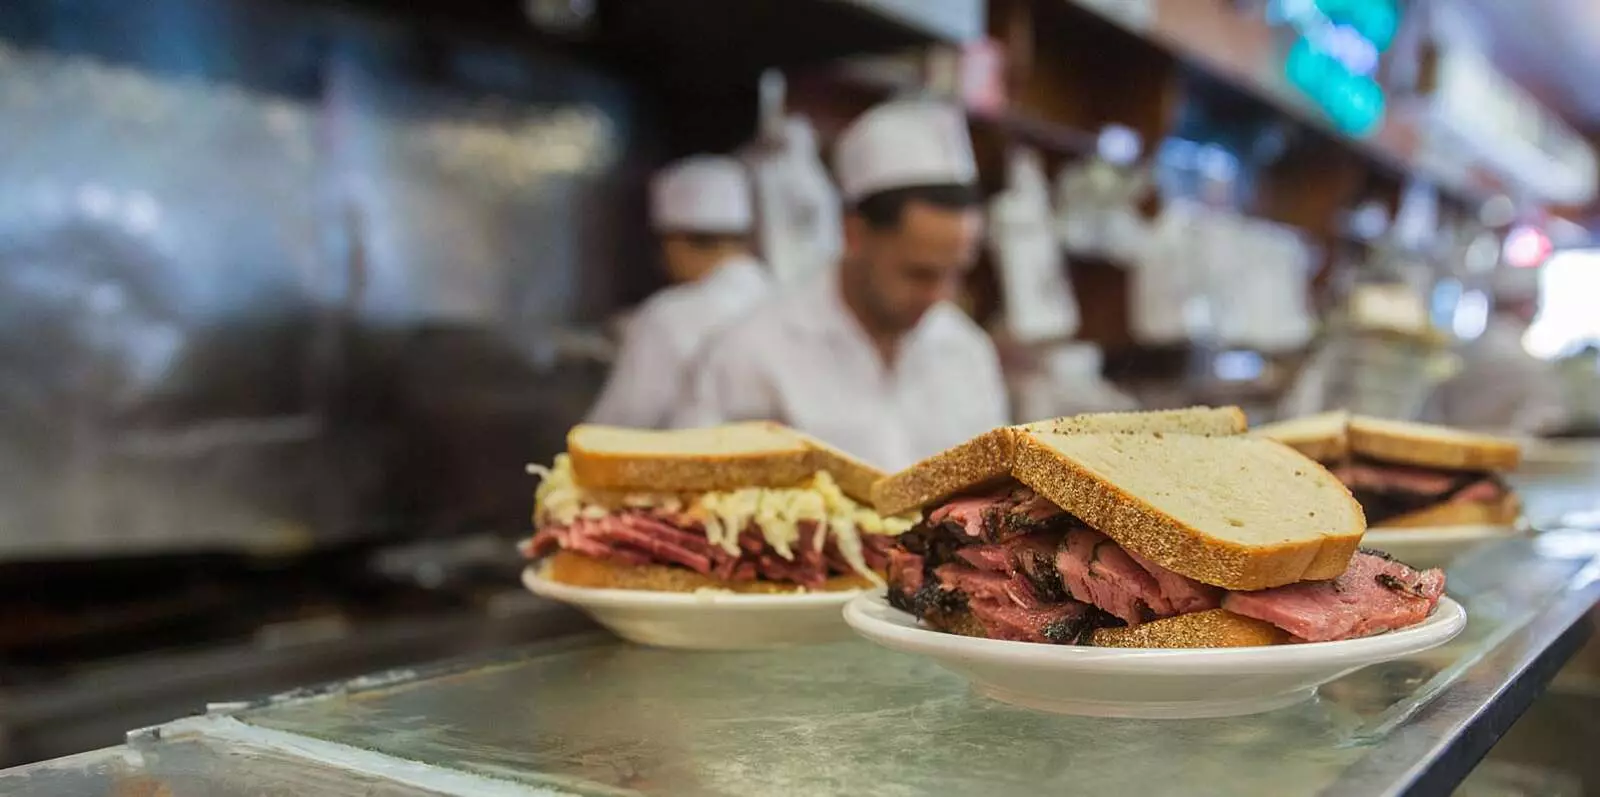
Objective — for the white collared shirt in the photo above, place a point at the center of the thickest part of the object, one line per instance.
(804, 359)
(664, 338)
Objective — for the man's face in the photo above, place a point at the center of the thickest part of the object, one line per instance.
(904, 271)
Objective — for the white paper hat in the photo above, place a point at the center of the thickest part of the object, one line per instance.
(702, 193)
(904, 143)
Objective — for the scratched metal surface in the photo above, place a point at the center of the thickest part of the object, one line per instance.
(194, 768)
(602, 717)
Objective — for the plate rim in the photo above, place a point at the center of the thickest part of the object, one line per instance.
(1464, 532)
(605, 597)
(1444, 624)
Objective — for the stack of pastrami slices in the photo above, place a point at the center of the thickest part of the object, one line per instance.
(1163, 529)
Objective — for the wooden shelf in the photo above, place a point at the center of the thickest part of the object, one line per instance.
(1047, 136)
(1240, 50)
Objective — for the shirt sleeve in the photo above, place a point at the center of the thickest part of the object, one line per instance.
(727, 384)
(643, 383)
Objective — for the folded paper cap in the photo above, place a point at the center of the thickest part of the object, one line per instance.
(703, 193)
(902, 144)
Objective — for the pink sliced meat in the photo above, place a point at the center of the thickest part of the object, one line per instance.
(986, 584)
(1008, 510)
(1395, 477)
(1479, 492)
(1035, 507)
(693, 541)
(648, 537)
(875, 550)
(1374, 595)
(969, 512)
(659, 546)
(905, 571)
(543, 543)
(1185, 594)
(987, 557)
(1096, 570)
(1050, 623)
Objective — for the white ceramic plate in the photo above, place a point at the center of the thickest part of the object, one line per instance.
(1433, 546)
(1151, 684)
(705, 620)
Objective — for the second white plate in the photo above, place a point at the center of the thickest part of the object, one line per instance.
(704, 620)
(1151, 684)
(1436, 546)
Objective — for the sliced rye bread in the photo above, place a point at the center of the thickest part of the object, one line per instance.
(982, 459)
(990, 456)
(1241, 513)
(1324, 437)
(688, 460)
(1502, 511)
(1430, 446)
(728, 457)
(855, 478)
(1205, 421)
(1216, 628)
(960, 621)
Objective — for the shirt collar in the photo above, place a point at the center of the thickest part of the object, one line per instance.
(738, 268)
(833, 318)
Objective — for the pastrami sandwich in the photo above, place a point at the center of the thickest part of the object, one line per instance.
(1410, 474)
(748, 507)
(1169, 529)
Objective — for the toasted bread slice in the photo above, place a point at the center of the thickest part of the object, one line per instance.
(1206, 421)
(1241, 513)
(855, 478)
(586, 571)
(982, 459)
(990, 455)
(957, 622)
(688, 460)
(1500, 512)
(729, 457)
(1430, 446)
(1216, 628)
(1324, 437)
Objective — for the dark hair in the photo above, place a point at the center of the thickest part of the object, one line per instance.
(708, 240)
(885, 209)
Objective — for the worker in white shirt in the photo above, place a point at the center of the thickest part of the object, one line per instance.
(700, 207)
(872, 356)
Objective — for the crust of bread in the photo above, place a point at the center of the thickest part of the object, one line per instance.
(1140, 527)
(1216, 628)
(1430, 446)
(1324, 437)
(1502, 511)
(783, 457)
(981, 459)
(990, 456)
(1209, 629)
(959, 622)
(855, 478)
(586, 571)
(1204, 421)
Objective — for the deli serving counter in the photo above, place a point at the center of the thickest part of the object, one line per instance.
(587, 715)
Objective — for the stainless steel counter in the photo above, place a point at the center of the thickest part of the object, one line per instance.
(590, 716)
